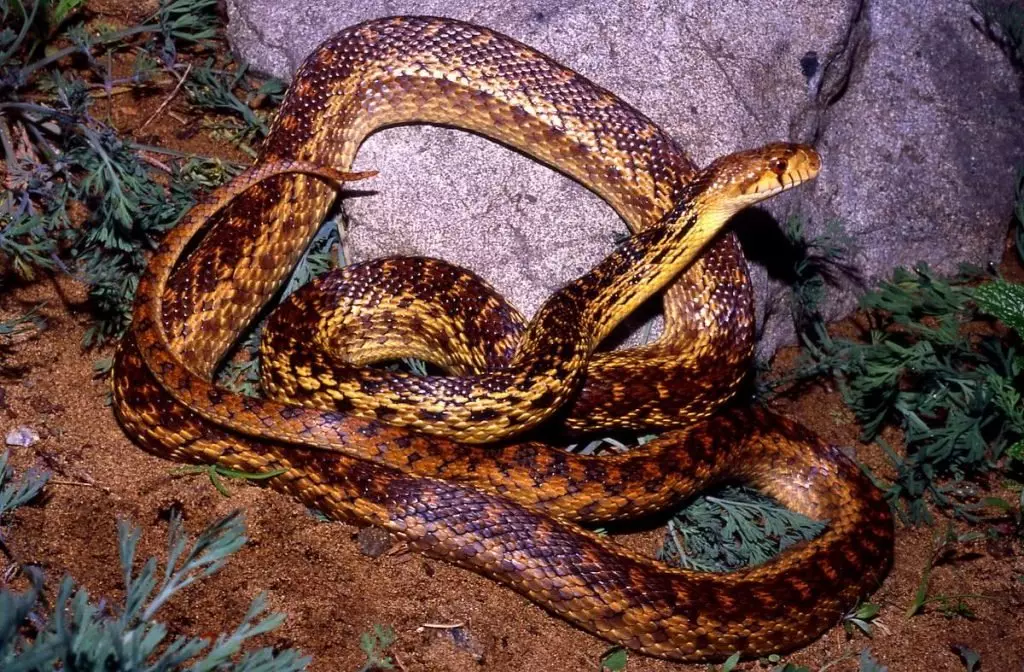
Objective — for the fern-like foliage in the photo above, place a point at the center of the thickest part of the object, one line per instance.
(955, 394)
(374, 644)
(818, 262)
(82, 634)
(78, 197)
(234, 93)
(22, 323)
(735, 528)
(15, 493)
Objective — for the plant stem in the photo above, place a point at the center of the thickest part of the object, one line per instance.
(31, 107)
(5, 139)
(24, 30)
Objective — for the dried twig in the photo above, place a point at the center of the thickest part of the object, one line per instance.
(442, 626)
(168, 99)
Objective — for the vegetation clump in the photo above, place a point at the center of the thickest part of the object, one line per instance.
(79, 197)
(79, 633)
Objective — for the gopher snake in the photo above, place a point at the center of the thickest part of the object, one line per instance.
(506, 511)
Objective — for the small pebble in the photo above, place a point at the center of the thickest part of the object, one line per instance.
(22, 437)
(462, 638)
(373, 541)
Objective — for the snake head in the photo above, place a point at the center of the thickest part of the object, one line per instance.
(739, 180)
(756, 174)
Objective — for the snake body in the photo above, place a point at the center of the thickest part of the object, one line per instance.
(509, 511)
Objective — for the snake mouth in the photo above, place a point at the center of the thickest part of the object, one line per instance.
(781, 167)
(768, 186)
(746, 177)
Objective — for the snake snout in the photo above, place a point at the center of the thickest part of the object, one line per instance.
(773, 169)
(747, 177)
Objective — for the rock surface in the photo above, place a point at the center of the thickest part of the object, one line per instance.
(913, 108)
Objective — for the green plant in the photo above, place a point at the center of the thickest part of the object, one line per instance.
(78, 197)
(614, 659)
(22, 323)
(736, 528)
(83, 635)
(216, 472)
(817, 262)
(1004, 301)
(375, 644)
(810, 266)
(943, 547)
(953, 393)
(220, 90)
(15, 493)
(733, 528)
(728, 666)
(862, 618)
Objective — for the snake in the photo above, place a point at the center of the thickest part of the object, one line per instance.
(469, 482)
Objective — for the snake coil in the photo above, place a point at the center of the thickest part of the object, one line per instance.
(375, 450)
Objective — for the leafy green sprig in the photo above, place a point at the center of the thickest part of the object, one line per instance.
(81, 634)
(734, 528)
(78, 197)
(819, 261)
(954, 393)
(233, 92)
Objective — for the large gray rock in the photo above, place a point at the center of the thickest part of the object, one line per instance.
(923, 143)
(916, 113)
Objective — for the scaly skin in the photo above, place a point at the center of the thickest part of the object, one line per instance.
(507, 511)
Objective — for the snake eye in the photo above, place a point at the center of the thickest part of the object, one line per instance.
(778, 166)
